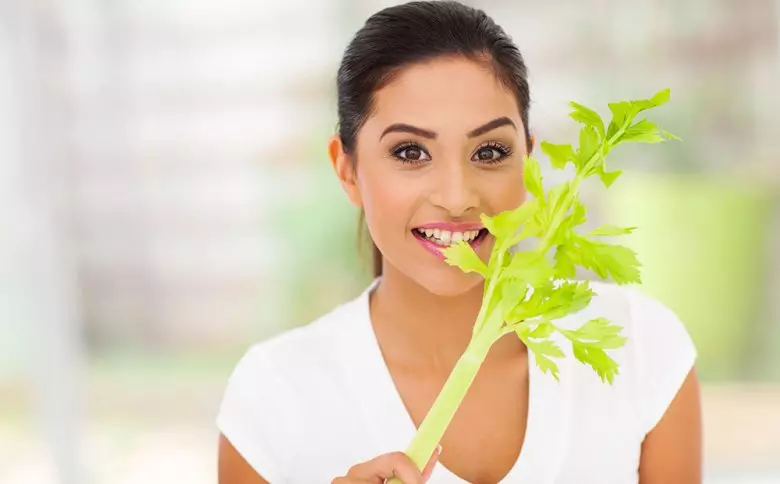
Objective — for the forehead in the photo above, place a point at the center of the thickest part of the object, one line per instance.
(443, 94)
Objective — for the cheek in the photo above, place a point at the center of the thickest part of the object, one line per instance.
(505, 191)
(387, 201)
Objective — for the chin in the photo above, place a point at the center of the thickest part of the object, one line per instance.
(445, 280)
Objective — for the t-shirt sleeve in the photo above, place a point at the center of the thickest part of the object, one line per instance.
(251, 415)
(665, 354)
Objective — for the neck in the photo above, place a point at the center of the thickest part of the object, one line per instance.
(419, 329)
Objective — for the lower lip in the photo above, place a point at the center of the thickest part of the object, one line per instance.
(436, 249)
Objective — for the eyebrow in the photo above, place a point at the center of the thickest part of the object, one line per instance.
(425, 133)
(490, 126)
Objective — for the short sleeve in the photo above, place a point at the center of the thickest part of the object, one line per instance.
(665, 354)
(252, 415)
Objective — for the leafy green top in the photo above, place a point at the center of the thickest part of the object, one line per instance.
(527, 291)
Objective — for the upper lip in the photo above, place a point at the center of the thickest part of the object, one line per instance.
(453, 226)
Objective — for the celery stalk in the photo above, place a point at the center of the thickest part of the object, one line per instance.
(526, 292)
(446, 404)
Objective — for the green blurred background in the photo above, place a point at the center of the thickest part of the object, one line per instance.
(166, 202)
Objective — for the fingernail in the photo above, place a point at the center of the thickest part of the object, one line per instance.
(438, 449)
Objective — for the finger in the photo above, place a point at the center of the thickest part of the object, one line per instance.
(428, 470)
(394, 464)
(349, 480)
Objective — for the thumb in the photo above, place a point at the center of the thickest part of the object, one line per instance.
(428, 470)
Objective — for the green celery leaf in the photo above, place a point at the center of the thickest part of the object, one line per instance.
(669, 135)
(610, 342)
(546, 347)
(553, 302)
(513, 293)
(604, 366)
(568, 298)
(505, 225)
(620, 116)
(611, 230)
(624, 112)
(566, 258)
(590, 341)
(608, 178)
(543, 351)
(577, 294)
(577, 217)
(559, 155)
(533, 178)
(534, 306)
(531, 267)
(590, 143)
(542, 330)
(658, 99)
(643, 132)
(661, 97)
(533, 228)
(548, 366)
(586, 116)
(612, 129)
(559, 197)
(594, 330)
(609, 261)
(506, 228)
(462, 255)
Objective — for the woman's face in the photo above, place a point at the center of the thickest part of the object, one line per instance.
(444, 144)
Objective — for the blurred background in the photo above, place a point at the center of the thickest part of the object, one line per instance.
(166, 201)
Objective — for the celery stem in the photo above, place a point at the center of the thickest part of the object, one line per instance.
(446, 404)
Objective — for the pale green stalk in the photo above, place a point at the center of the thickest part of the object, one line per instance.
(487, 330)
(443, 410)
(490, 326)
(455, 388)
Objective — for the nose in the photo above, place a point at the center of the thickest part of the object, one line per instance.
(454, 188)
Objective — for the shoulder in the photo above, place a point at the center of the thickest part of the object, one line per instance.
(310, 344)
(653, 329)
(294, 360)
(281, 385)
(641, 315)
(659, 352)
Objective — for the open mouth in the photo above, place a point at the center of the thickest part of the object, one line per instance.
(445, 238)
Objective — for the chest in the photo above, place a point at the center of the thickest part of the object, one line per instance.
(486, 435)
(572, 431)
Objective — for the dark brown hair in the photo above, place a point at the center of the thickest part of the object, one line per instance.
(412, 33)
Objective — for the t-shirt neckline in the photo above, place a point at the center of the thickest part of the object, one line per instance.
(392, 426)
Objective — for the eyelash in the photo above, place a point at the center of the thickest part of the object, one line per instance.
(400, 148)
(503, 150)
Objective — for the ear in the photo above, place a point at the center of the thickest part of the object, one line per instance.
(345, 171)
(533, 142)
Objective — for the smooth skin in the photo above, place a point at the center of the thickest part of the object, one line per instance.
(445, 143)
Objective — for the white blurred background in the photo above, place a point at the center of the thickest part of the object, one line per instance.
(165, 200)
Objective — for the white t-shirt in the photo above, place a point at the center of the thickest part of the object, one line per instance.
(306, 405)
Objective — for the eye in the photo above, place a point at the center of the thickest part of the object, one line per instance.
(410, 152)
(491, 153)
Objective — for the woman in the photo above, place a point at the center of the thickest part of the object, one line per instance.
(433, 127)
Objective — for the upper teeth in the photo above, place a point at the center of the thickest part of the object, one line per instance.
(445, 237)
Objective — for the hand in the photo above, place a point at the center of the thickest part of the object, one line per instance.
(394, 464)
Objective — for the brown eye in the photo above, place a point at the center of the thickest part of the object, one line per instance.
(410, 153)
(491, 153)
(486, 154)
